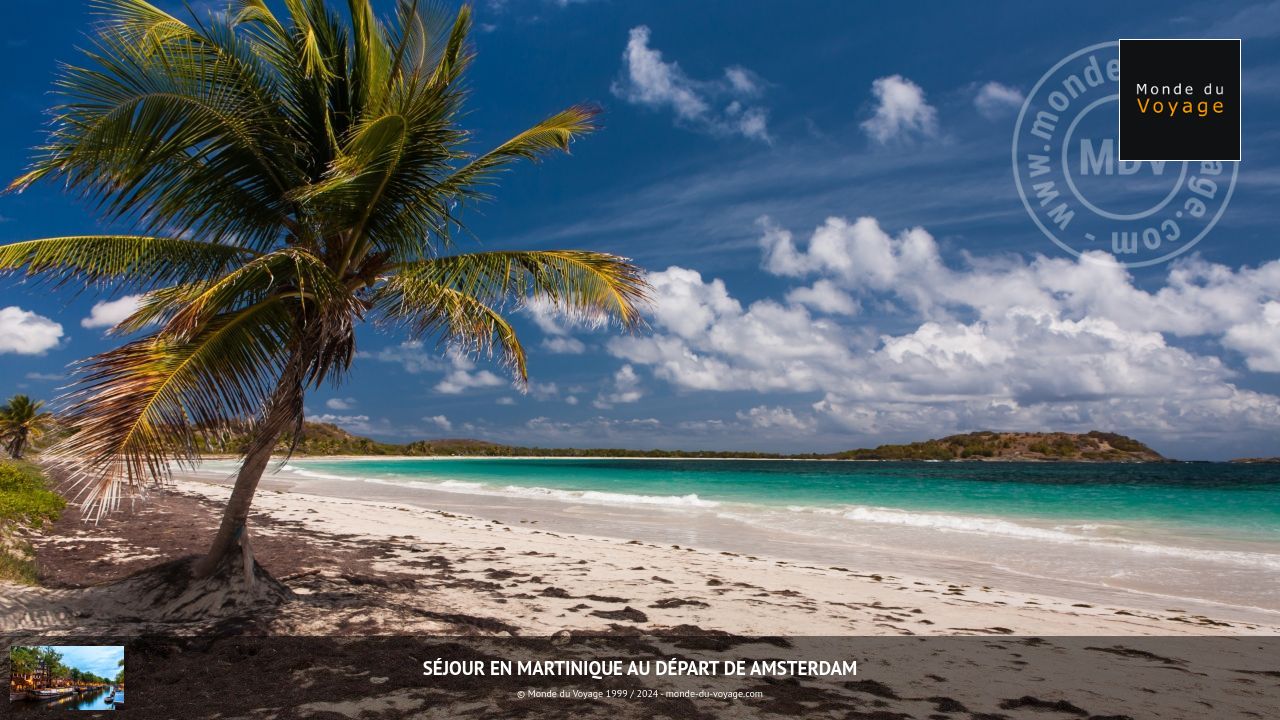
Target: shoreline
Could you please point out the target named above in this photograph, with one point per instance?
(1158, 563)
(1034, 461)
(374, 565)
(942, 575)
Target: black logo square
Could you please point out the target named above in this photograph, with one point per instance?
(1179, 100)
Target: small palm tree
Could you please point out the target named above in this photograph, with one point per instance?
(21, 423)
(285, 179)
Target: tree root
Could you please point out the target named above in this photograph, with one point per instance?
(171, 593)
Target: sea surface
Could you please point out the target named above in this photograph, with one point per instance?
(1203, 531)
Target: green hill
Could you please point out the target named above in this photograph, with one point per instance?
(988, 445)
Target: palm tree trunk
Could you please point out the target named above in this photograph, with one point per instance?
(282, 410)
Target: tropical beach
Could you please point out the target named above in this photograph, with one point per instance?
(332, 388)
(533, 563)
(444, 570)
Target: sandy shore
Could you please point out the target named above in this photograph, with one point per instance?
(376, 587)
(430, 571)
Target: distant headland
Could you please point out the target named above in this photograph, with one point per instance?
(320, 439)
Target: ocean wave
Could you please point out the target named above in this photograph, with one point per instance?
(977, 525)
(610, 498)
(594, 497)
(1084, 533)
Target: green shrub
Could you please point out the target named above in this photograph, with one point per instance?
(25, 503)
(24, 499)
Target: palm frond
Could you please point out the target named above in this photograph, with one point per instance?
(143, 405)
(455, 319)
(579, 283)
(174, 129)
(126, 261)
(555, 133)
(289, 272)
(460, 297)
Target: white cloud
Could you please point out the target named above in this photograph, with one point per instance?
(564, 346)
(464, 376)
(995, 101)
(824, 296)
(556, 323)
(1258, 339)
(47, 377)
(901, 111)
(997, 342)
(411, 355)
(544, 391)
(595, 431)
(440, 421)
(506, 400)
(743, 81)
(626, 389)
(25, 333)
(718, 107)
(775, 418)
(460, 372)
(340, 403)
(352, 423)
(110, 313)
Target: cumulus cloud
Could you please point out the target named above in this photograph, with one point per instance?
(464, 376)
(720, 107)
(626, 389)
(340, 403)
(564, 346)
(994, 342)
(824, 296)
(353, 423)
(995, 101)
(460, 371)
(439, 421)
(412, 355)
(901, 111)
(764, 417)
(23, 332)
(556, 324)
(110, 313)
(1258, 339)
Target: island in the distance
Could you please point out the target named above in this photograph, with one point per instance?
(318, 439)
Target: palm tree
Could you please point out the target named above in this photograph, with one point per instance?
(22, 422)
(284, 179)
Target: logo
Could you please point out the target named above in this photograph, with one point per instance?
(1180, 100)
(1082, 196)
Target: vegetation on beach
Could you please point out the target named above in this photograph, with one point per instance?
(282, 178)
(1091, 446)
(327, 439)
(22, 422)
(26, 505)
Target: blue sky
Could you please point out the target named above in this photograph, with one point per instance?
(98, 659)
(823, 196)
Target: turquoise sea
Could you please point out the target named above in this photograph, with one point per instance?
(1209, 531)
(1232, 501)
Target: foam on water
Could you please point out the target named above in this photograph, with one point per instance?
(595, 497)
(1004, 528)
